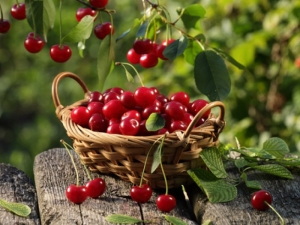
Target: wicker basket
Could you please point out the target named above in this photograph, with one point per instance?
(125, 156)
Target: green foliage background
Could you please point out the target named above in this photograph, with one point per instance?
(263, 35)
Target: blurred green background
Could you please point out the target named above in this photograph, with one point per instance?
(263, 35)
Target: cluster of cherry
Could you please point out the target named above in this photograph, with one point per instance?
(59, 52)
(116, 111)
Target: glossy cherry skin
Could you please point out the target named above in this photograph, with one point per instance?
(98, 3)
(129, 126)
(18, 11)
(132, 114)
(4, 26)
(60, 54)
(144, 96)
(76, 194)
(133, 57)
(141, 194)
(97, 122)
(143, 46)
(181, 97)
(113, 129)
(148, 60)
(175, 110)
(101, 30)
(95, 187)
(259, 198)
(113, 109)
(166, 203)
(82, 12)
(34, 43)
(127, 99)
(81, 116)
(197, 105)
(95, 96)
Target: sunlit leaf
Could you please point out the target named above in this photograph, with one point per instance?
(276, 147)
(174, 220)
(211, 76)
(122, 219)
(275, 169)
(192, 14)
(16, 208)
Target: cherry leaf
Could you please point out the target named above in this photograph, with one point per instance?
(276, 147)
(211, 75)
(250, 183)
(274, 169)
(174, 220)
(35, 10)
(135, 23)
(81, 31)
(216, 189)
(142, 30)
(17, 208)
(122, 219)
(192, 50)
(155, 122)
(157, 155)
(176, 48)
(191, 15)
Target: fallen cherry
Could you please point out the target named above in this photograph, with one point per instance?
(141, 194)
(95, 187)
(76, 194)
(166, 202)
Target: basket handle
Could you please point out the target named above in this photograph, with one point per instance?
(197, 117)
(56, 81)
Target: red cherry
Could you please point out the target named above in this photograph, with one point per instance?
(82, 12)
(95, 187)
(148, 60)
(144, 96)
(159, 52)
(98, 3)
(113, 129)
(4, 26)
(34, 43)
(162, 98)
(148, 110)
(259, 198)
(141, 194)
(117, 90)
(95, 96)
(101, 30)
(142, 46)
(60, 54)
(81, 116)
(163, 131)
(18, 11)
(166, 43)
(133, 57)
(175, 110)
(98, 123)
(166, 203)
(143, 130)
(181, 97)
(95, 107)
(113, 109)
(197, 105)
(110, 96)
(76, 194)
(177, 125)
(127, 99)
(132, 114)
(187, 118)
(129, 126)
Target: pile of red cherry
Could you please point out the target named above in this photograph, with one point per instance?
(116, 111)
(146, 53)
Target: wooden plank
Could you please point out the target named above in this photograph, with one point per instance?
(15, 186)
(286, 200)
(54, 172)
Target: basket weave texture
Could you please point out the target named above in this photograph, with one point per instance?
(125, 156)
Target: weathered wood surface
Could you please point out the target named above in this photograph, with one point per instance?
(15, 186)
(286, 200)
(53, 172)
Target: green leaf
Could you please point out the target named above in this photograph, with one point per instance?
(81, 31)
(192, 14)
(135, 23)
(155, 122)
(105, 61)
(241, 162)
(123, 219)
(230, 59)
(212, 159)
(289, 161)
(276, 147)
(192, 50)
(17, 208)
(216, 189)
(174, 220)
(157, 156)
(176, 48)
(81, 47)
(35, 10)
(250, 183)
(142, 30)
(274, 169)
(207, 222)
(211, 76)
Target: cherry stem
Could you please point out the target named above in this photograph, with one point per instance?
(1, 13)
(162, 169)
(73, 162)
(128, 64)
(282, 220)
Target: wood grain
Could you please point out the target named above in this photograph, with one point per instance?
(53, 172)
(15, 186)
